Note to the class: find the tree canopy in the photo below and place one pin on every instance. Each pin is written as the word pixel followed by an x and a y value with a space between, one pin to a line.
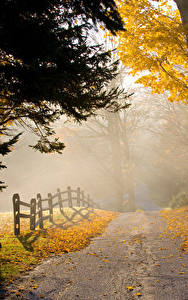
pixel 47 66
pixel 183 9
pixel 155 46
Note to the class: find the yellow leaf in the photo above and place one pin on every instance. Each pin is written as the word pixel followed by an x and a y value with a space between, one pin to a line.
pixel 130 288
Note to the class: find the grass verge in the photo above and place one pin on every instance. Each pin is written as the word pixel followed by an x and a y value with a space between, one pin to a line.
pixel 22 253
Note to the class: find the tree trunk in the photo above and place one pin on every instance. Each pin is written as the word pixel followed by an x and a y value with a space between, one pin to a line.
pixel 130 182
pixel 130 175
pixel 114 135
pixel 183 9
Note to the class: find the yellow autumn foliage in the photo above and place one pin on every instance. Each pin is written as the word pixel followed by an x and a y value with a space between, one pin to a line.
pixel 21 253
pixel 177 224
pixel 154 46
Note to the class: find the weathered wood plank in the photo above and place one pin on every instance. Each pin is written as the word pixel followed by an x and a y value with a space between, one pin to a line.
pixel 24 216
pixel 45 208
pixel 55 204
pixel 69 196
pixel 33 214
pixel 40 221
pixel 78 196
pixel 24 204
pixel 16 209
pixel 50 207
pixel 60 199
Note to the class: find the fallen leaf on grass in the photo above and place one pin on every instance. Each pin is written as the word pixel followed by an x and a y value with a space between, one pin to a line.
pixel 105 260
pixel 42 296
pixel 183 265
pixel 130 288
pixel 13 291
pixel 171 255
pixel 94 254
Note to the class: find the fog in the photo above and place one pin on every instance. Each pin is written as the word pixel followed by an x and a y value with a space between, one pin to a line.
pixel 138 155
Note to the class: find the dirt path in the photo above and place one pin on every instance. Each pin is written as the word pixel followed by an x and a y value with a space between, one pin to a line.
pixel 131 253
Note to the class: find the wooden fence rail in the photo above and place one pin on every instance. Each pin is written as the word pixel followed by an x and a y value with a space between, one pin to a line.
pixel 73 198
pixel 17 215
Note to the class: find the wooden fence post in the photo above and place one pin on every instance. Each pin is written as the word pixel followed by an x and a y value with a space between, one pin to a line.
pixel 60 199
pixel 88 201
pixel 69 196
pixel 33 214
pixel 16 208
pixel 91 203
pixel 39 200
pixel 78 196
pixel 83 203
pixel 50 207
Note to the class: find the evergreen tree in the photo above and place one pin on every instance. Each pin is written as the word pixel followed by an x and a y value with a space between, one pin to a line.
pixel 5 148
pixel 47 66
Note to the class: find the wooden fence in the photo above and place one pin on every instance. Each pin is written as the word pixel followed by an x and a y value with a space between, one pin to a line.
pixel 73 198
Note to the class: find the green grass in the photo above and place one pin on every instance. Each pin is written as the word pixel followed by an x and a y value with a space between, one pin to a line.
pixel 22 253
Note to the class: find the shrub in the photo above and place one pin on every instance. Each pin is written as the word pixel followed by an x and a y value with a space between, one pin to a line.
pixel 181 199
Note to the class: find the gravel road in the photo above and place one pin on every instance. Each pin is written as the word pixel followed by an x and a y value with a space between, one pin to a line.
pixel 131 260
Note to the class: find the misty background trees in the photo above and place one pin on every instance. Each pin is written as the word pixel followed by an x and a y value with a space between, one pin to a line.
pixel 118 155
pixel 150 137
